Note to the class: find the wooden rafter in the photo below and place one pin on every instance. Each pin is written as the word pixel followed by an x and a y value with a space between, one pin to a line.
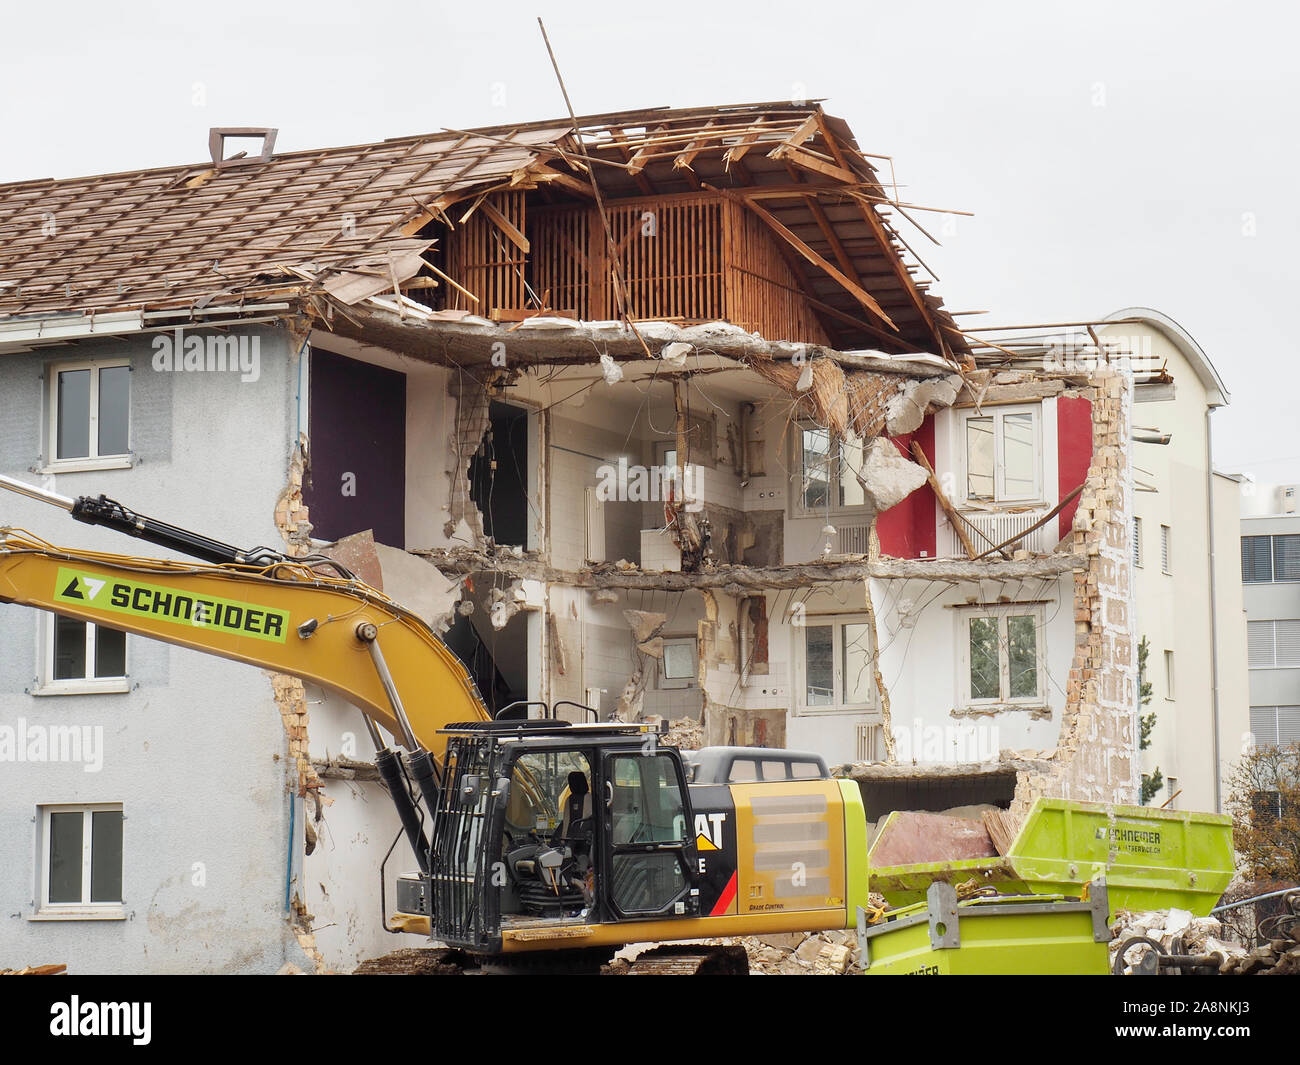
pixel 688 154
pixel 507 227
pixel 642 182
pixel 545 175
pixel 895 261
pixel 778 227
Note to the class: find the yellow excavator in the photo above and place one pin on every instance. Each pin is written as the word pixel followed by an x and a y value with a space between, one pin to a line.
pixel 533 836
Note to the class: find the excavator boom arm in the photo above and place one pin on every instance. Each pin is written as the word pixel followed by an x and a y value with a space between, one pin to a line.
pixel 285 616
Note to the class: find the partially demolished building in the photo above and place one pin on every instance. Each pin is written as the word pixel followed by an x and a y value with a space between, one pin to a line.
pixel 652 414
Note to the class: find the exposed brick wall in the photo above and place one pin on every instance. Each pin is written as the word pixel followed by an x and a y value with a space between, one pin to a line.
pixel 1097 756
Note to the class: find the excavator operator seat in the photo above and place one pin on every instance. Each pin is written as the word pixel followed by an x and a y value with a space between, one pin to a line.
pixel 575 827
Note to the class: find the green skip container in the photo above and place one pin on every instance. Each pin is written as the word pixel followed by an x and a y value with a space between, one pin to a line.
pixel 1149 859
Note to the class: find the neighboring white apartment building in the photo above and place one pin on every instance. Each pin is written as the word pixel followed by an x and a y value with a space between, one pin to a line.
pixel 1270 574
pixel 1188 587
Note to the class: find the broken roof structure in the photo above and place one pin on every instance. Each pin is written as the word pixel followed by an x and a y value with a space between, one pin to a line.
pixel 452 218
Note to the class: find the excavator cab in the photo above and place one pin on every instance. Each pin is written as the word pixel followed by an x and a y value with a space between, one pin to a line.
pixel 545 824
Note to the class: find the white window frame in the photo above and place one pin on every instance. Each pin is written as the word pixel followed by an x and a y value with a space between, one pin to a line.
pixel 1137 542
pixel 797 507
pixel 663 683
pixel 799 657
pixel 1169 675
pixel 1000 497
pixel 1002 612
pixel 94 461
pixel 47 685
pixel 1166 549
pixel 84 910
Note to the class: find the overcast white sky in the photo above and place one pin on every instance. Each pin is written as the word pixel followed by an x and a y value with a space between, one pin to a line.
pixel 1114 154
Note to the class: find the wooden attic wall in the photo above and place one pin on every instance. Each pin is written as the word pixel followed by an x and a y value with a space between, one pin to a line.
pixel 483 259
pixel 686 258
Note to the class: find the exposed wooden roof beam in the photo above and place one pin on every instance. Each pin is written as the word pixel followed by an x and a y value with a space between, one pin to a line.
pixel 895 261
pixel 778 227
pixel 642 182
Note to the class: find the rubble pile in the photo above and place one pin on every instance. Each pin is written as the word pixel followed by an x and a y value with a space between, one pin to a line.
pixel 832 953
pixel 1278 956
pixel 1177 932
pixel 685 733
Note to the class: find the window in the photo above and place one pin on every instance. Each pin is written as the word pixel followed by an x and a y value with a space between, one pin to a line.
pixel 81 657
pixel 1164 549
pixel 647 872
pixel 1273 644
pixel 90 415
pixel 828 469
pixel 1137 542
pixel 1275 726
pixel 835 664
pixel 1286 558
pixel 81 861
pixel 677 668
pixel 1265 559
pixel 1002 656
pixel 1169 674
pixel 1002 449
pixel 1256 559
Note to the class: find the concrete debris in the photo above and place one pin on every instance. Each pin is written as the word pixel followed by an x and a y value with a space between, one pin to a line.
pixel 832 953
pixel 645 623
pixel 1177 932
pixel 606 595
pixel 886 477
pixel 652 647
pixel 805 380
pixel 417 586
pixel 412 961
pixel 685 733
pixel 631 698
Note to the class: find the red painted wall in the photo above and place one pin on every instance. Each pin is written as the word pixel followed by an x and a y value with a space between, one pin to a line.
pixel 1073 452
pixel 908 529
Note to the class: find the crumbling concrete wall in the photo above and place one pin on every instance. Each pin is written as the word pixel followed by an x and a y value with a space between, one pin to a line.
pixel 1097 759
pixel 471 422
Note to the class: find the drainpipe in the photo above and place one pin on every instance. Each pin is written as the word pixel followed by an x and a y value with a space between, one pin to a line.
pixel 1214 614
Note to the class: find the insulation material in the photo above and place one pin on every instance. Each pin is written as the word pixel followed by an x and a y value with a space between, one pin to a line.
pixel 674 354
pixel 610 370
pixel 842 400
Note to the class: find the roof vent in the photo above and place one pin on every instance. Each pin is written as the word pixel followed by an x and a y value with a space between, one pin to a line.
pixel 217 144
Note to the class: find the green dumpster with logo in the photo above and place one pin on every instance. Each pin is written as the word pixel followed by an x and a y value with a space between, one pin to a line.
pixel 1045 904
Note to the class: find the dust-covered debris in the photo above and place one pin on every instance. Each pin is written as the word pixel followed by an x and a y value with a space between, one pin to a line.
pixel 831 953
pixel 685 733
pixel 417 961
pixel 1177 932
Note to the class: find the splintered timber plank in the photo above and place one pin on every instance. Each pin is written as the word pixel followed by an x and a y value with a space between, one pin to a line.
pixel 1002 829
